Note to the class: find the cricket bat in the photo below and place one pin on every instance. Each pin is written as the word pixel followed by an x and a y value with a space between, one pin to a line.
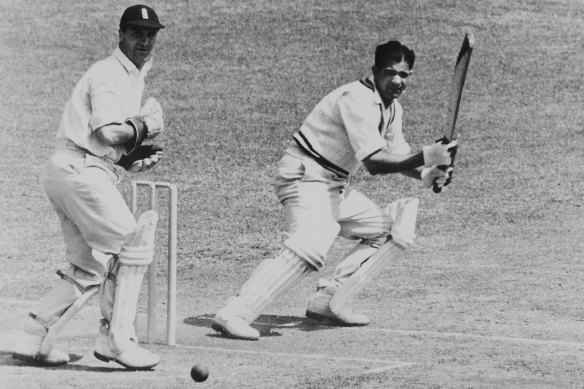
pixel 456 87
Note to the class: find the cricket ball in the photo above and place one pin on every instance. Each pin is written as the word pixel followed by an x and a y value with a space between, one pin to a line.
pixel 199 373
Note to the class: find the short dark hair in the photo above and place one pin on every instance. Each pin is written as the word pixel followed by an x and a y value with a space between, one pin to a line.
pixel 393 52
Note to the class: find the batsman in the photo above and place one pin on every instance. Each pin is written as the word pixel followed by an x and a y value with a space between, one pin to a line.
pixel 358 124
pixel 102 133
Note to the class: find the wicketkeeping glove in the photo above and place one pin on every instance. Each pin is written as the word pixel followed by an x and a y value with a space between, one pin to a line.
pixel 152 115
pixel 143 158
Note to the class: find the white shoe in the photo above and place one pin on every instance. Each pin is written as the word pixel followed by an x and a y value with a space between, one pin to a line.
pixel 234 327
pixel 27 344
pixel 133 357
pixel 319 309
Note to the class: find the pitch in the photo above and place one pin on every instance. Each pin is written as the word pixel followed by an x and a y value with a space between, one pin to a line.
pixel 489 297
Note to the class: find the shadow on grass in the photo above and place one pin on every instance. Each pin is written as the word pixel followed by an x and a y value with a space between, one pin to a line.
pixel 267 325
pixel 6 359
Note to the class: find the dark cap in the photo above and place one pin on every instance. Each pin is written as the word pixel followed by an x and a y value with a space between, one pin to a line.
pixel 140 15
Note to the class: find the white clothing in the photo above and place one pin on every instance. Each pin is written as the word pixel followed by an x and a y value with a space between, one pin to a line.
pixel 108 93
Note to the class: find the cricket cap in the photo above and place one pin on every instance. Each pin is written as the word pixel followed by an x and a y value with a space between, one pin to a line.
pixel 140 15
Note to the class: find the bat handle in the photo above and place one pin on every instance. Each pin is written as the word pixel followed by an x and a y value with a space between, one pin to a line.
pixel 435 187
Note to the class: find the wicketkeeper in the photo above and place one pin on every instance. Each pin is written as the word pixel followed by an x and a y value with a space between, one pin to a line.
pixel 359 123
pixel 101 134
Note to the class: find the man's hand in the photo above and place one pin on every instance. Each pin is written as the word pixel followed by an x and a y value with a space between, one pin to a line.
pixel 440 153
pixel 152 114
pixel 436 175
pixel 143 158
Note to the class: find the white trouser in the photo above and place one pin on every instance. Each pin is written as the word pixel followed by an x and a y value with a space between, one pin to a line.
pixel 319 206
pixel 63 294
pixel 95 220
pixel 94 216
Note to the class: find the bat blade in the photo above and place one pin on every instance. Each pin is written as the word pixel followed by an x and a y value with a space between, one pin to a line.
pixel 457 85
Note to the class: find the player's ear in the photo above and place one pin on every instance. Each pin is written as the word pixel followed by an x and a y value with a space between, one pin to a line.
pixel 374 69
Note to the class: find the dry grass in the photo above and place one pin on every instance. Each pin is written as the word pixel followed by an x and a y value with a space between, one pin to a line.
pixel 491 295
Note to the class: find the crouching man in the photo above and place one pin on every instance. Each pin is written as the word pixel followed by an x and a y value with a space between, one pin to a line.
pixel 102 133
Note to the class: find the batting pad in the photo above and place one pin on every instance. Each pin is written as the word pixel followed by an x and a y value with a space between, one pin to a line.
pixel 121 287
pixel 403 213
pixel 363 276
pixel 118 301
pixel 269 280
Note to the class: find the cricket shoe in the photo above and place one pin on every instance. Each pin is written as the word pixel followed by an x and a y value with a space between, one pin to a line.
pixel 133 357
pixel 27 344
pixel 234 327
pixel 319 309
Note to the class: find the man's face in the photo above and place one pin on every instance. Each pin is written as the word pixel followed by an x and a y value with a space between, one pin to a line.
pixel 391 80
pixel 137 43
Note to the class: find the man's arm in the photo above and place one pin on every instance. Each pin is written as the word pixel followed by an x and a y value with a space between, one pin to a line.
pixel 130 134
pixel 115 134
pixel 384 162
pixel 414 173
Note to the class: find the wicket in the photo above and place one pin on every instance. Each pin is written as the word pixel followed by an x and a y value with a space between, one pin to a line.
pixel 172 249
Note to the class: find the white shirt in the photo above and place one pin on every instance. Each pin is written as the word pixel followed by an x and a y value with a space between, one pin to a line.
pixel 108 93
pixel 350 124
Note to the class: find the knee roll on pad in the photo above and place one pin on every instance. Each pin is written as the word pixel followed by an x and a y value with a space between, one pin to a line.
pixel 404 213
pixel 312 257
pixel 138 248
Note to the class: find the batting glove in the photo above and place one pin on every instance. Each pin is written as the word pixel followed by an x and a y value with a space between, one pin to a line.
pixel 440 183
pixel 435 175
pixel 440 153
pixel 143 158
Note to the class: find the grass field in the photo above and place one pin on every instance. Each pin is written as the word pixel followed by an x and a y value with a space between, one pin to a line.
pixel 491 296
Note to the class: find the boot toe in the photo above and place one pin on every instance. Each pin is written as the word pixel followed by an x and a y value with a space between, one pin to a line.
pixel 235 328
pixel 133 357
pixel 137 358
pixel 320 311
pixel 55 358
pixel 26 348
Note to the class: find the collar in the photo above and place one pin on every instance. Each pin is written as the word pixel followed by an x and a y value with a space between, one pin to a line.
pixel 129 65
pixel 376 96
